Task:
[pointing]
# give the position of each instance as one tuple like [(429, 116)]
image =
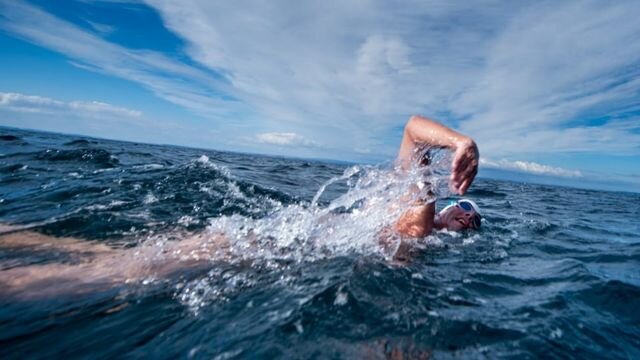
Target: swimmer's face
[(455, 218)]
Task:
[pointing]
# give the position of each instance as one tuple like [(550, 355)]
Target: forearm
[(96, 267), (422, 132)]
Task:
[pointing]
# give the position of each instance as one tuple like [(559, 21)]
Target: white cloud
[(101, 28), (554, 67), (284, 139), (172, 80), (100, 119), (100, 107), (529, 167), (521, 78), (40, 104)]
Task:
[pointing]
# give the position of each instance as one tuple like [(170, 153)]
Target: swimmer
[(94, 266), (420, 219)]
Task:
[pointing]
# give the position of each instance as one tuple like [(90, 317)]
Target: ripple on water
[(98, 157), (550, 274)]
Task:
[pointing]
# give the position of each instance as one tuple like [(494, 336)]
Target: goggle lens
[(466, 206)]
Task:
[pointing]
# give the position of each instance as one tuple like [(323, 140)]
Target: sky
[(546, 88)]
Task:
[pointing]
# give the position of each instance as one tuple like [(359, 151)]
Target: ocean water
[(301, 271)]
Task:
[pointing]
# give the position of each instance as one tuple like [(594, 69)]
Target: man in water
[(95, 266), (421, 219)]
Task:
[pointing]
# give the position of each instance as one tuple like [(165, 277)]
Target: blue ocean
[(123, 250)]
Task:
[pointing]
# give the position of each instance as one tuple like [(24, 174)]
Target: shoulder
[(417, 221)]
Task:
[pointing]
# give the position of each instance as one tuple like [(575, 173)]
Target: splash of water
[(357, 222)]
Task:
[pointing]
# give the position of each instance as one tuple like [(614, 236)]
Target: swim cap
[(475, 206)]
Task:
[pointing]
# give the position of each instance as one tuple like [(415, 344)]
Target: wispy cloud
[(185, 85), (100, 119), (284, 139), (522, 78), (529, 167), (101, 28), (44, 105), (552, 69)]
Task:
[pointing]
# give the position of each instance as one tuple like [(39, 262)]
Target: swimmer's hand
[(420, 132), (464, 166)]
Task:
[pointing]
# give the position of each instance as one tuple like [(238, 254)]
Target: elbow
[(409, 127), (413, 121), (416, 118)]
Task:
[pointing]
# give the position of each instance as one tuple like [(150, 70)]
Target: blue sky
[(546, 88)]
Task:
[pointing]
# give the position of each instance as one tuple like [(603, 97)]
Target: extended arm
[(91, 266), (420, 132)]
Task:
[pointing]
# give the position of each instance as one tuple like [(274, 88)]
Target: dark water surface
[(553, 273)]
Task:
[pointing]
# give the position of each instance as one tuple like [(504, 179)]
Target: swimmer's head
[(461, 215)]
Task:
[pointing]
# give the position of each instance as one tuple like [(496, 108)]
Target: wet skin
[(95, 266), (455, 218), (420, 133)]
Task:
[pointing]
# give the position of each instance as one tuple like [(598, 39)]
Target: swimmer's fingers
[(467, 182), (456, 169), (459, 166), (465, 152), (457, 161), (467, 177), (463, 176), (464, 169)]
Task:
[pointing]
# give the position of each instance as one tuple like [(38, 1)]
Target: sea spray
[(550, 273), (360, 221)]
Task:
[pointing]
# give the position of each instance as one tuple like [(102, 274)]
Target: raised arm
[(420, 132)]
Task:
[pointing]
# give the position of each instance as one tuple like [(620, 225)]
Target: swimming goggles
[(467, 205)]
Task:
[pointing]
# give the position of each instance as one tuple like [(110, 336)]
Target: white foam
[(149, 166), (149, 199), (204, 160), (353, 223), (341, 297)]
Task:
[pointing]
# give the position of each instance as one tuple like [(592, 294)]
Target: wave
[(613, 297), (140, 199), (13, 168), (80, 142), (10, 138), (99, 157), (306, 266), (485, 193)]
